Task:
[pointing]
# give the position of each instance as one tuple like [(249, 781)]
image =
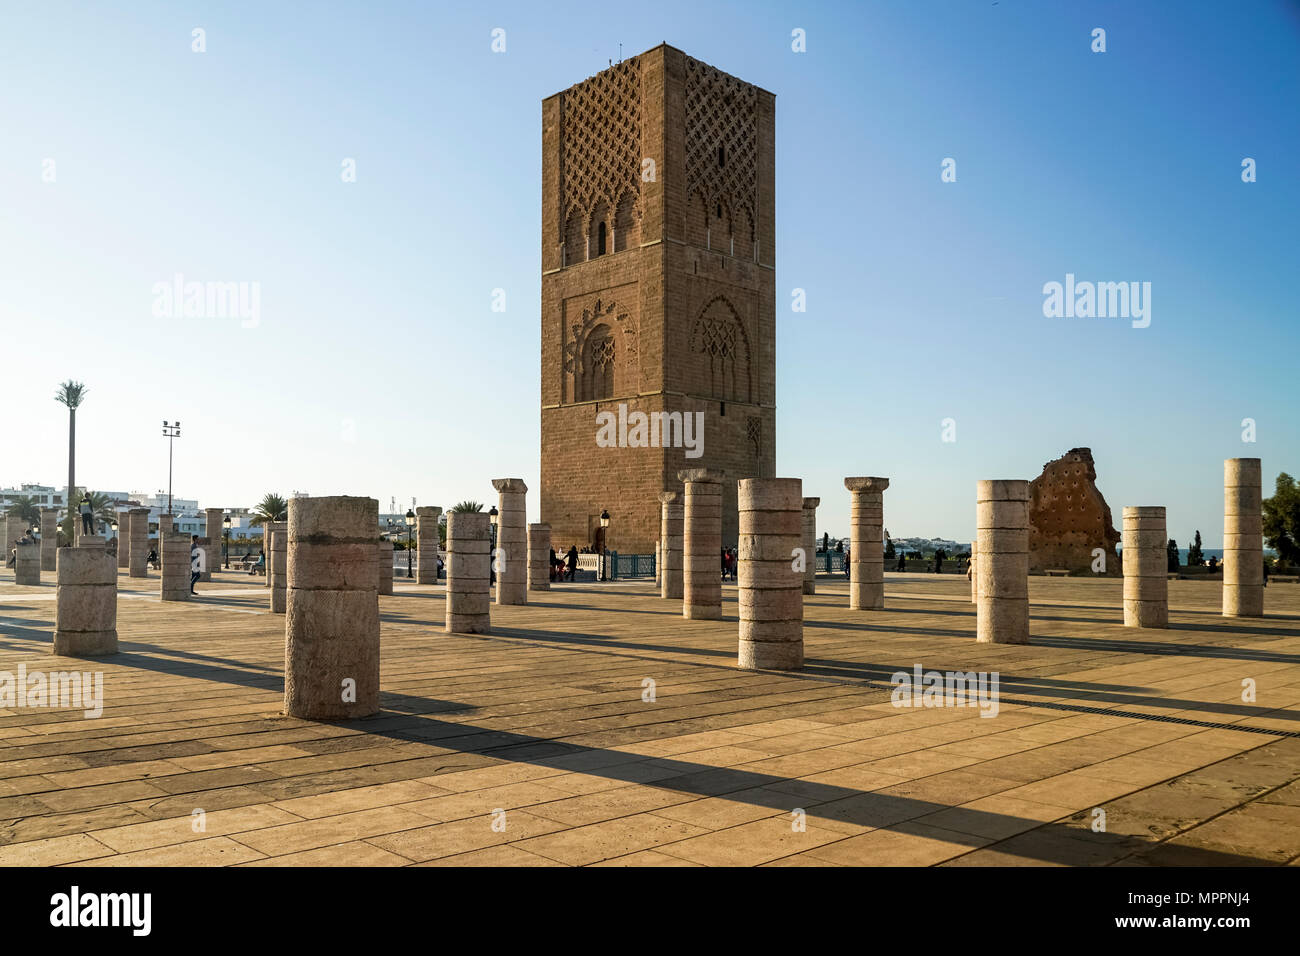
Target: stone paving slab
[(533, 746)]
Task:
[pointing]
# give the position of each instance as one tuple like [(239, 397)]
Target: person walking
[(847, 572), (573, 562), (87, 517), (196, 561), (724, 564)]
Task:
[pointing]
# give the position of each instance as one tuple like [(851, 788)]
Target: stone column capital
[(427, 511), (811, 502), (510, 485), (669, 497), (868, 484), (711, 475)]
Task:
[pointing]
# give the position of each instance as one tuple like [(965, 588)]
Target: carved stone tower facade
[(658, 293)]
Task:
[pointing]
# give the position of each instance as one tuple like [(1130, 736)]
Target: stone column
[(85, 603), (809, 545), (216, 535), (1002, 573), (273, 557), (468, 589), (27, 565), (658, 566), (175, 553), (426, 540), (702, 544), (512, 541), (384, 557), (15, 527), (123, 539), (867, 543), (50, 540), (331, 646), (277, 566), (1243, 539), (772, 526), (670, 545), (138, 543), (539, 557), (1146, 567)]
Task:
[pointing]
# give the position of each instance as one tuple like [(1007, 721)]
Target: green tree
[(1194, 556), (101, 506), (1172, 551), (1282, 519), (23, 506), (460, 506), (271, 508), (71, 394)]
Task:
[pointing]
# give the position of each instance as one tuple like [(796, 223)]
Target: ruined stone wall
[(1069, 517)]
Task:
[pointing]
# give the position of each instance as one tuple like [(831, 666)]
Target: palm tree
[(72, 394), (101, 506), (271, 508), (23, 506), (460, 506)]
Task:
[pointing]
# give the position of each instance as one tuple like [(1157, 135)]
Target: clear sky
[(377, 365)]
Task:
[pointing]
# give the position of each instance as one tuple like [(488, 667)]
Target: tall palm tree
[(460, 506), (71, 394)]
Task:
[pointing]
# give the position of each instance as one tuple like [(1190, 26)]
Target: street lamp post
[(604, 543), (225, 533), (171, 431), (410, 524), (492, 551)]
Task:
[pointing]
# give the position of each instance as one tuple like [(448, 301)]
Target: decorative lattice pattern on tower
[(719, 336), (721, 113), (601, 140)]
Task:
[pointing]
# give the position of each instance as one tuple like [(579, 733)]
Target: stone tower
[(658, 293)]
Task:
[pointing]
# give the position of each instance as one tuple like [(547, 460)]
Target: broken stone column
[(468, 589), (1002, 573), (50, 539), (331, 647), (215, 533), (174, 549), (1243, 538), (385, 552), (138, 543), (27, 564), (277, 566), (670, 545), (85, 604), (512, 541), (539, 557), (702, 544), (1146, 567), (426, 541), (772, 528), (123, 539), (809, 545), (867, 543)]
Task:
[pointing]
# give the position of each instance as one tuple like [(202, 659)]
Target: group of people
[(567, 565), (729, 564)]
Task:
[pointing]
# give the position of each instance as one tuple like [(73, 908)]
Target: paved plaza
[(595, 725)]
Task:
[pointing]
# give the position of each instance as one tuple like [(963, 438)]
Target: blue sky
[(378, 367)]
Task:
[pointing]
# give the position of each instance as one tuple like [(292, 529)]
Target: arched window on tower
[(600, 239), (596, 379)]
